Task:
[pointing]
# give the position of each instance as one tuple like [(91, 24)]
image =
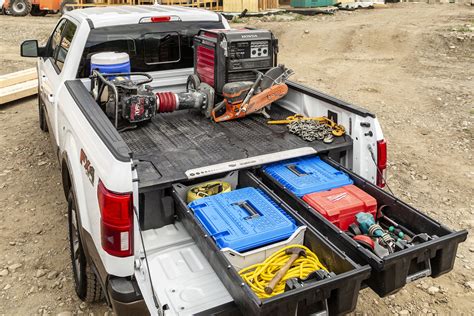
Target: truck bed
[(173, 143)]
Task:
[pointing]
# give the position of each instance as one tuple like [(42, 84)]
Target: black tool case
[(390, 274), (337, 295)]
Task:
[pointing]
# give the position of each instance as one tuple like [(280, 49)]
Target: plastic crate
[(311, 3), (336, 295), (240, 260), (389, 274), (307, 175), (341, 205), (243, 219)]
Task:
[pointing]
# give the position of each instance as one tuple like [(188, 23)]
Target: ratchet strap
[(207, 189)]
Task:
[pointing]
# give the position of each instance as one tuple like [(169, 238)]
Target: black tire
[(87, 285), (42, 115), (192, 83), (20, 7), (36, 11), (63, 8)]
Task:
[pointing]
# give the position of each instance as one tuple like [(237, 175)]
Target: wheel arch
[(65, 174), (72, 180)]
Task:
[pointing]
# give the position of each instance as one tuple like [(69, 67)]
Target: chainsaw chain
[(310, 130)]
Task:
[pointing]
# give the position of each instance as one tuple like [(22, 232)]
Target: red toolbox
[(340, 205)]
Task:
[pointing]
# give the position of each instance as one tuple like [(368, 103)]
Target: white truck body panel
[(181, 276)]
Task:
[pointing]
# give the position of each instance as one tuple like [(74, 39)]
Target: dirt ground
[(411, 64)]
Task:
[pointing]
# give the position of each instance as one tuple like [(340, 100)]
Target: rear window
[(151, 46), (162, 48)]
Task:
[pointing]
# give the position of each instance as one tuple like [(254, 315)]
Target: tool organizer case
[(340, 205), (307, 175), (337, 294), (389, 274), (243, 219)]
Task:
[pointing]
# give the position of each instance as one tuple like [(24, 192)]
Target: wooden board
[(240, 5), (18, 91), (17, 77), (253, 6)]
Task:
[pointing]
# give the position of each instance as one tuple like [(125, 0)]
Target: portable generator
[(225, 56)]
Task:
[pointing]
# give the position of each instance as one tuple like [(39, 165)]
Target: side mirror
[(30, 48)]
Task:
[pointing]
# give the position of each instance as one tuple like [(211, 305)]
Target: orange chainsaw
[(246, 97)]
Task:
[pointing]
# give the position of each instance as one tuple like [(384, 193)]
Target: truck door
[(50, 68)]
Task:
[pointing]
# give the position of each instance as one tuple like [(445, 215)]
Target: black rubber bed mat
[(175, 142)]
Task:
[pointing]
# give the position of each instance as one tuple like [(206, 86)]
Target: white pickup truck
[(129, 237)]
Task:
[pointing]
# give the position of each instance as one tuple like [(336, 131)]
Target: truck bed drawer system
[(351, 264)]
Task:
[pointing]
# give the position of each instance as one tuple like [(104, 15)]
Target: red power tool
[(244, 98)]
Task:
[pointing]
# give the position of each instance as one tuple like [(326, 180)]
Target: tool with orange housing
[(244, 98)]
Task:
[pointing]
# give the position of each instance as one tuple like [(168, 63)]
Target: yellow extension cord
[(259, 275)]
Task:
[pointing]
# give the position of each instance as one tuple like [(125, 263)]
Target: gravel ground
[(411, 64)]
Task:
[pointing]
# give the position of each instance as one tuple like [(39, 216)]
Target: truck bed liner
[(175, 142)]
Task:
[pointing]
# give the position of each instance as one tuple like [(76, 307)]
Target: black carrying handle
[(248, 208)]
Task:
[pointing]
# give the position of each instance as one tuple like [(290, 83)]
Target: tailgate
[(179, 274)]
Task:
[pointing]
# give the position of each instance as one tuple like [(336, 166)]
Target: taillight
[(116, 210), (160, 19), (381, 162)]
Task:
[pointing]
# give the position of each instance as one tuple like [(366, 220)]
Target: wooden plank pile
[(234, 6), (207, 4), (252, 6), (17, 85)]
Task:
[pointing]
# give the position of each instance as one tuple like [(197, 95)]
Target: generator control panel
[(223, 56), (243, 50)]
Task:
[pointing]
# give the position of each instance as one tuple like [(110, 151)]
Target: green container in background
[(311, 3)]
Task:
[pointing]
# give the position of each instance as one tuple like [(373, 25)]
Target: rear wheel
[(87, 285), (20, 7), (64, 8), (36, 11)]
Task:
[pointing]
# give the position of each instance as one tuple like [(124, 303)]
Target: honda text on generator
[(201, 180)]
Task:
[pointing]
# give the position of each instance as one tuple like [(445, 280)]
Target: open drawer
[(335, 295), (390, 273)]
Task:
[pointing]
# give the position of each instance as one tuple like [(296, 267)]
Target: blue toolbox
[(243, 219), (307, 175)]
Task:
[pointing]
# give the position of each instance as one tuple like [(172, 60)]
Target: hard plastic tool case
[(389, 274), (340, 205), (337, 295), (243, 219), (307, 175)]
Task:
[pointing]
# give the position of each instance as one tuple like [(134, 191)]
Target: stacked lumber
[(208, 4), (251, 5), (17, 85)]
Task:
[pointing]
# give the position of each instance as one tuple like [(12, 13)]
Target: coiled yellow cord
[(259, 275)]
